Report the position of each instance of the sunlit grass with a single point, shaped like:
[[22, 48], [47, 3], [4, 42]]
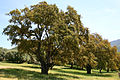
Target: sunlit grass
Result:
[[11, 71]]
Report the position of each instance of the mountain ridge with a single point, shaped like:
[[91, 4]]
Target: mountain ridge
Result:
[[116, 43]]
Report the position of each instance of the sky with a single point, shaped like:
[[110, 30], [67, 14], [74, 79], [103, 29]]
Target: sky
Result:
[[100, 16]]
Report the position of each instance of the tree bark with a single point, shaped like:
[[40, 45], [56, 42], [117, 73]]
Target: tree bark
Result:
[[44, 68], [108, 69], [71, 66], [88, 68], [100, 70], [44, 65]]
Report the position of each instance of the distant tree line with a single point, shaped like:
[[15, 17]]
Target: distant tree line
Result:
[[14, 56], [53, 36]]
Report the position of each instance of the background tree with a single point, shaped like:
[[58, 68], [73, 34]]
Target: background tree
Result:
[[118, 61], [106, 55], [100, 51], [89, 52], [74, 36], [14, 57], [2, 53], [111, 61], [86, 57]]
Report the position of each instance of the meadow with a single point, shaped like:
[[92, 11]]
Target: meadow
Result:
[[12, 71]]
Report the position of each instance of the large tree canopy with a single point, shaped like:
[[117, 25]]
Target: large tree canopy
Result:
[[47, 32]]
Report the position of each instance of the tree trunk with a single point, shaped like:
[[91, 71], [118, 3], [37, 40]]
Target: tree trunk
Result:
[[88, 68], [108, 70], [44, 68], [100, 70], [46, 62], [71, 66]]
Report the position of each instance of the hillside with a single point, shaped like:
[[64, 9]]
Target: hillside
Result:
[[6, 50], [116, 43]]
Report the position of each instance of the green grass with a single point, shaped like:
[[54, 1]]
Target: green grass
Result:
[[11, 71]]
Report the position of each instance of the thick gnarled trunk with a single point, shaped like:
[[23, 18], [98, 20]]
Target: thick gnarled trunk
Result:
[[45, 65], [108, 69], [44, 68], [88, 68], [46, 60]]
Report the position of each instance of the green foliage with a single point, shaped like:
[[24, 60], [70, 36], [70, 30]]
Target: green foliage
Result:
[[45, 31], [14, 57], [2, 56], [52, 36], [2, 53]]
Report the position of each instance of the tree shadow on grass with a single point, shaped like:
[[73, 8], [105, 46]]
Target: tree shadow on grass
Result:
[[26, 75], [21, 74], [82, 73], [104, 72], [36, 67], [74, 68]]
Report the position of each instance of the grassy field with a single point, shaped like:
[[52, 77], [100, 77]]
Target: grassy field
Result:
[[10, 71]]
